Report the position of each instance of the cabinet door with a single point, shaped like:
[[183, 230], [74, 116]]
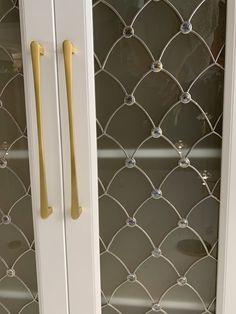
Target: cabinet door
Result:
[[166, 230], [32, 249]]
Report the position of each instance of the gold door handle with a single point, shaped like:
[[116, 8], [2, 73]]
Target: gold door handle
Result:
[[36, 51], [68, 51]]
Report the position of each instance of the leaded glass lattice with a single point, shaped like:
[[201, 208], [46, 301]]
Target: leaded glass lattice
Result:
[[18, 281], [159, 73]]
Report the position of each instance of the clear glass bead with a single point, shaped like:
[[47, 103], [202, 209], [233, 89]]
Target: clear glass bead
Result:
[[10, 272], [156, 307], [156, 194], [3, 162], [183, 223], [157, 66], [181, 281], [156, 252], [206, 175], [186, 27], [131, 222], [129, 100], [180, 145], [130, 162], [6, 220], [184, 162], [156, 132], [128, 31], [185, 97], [131, 277]]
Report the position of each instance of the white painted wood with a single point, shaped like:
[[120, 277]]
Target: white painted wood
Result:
[[226, 297], [37, 23], [74, 22]]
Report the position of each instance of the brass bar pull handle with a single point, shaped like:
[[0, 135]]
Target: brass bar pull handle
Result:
[[68, 51], [36, 51]]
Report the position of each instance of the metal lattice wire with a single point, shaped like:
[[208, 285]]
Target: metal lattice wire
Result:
[[159, 71], [18, 281]]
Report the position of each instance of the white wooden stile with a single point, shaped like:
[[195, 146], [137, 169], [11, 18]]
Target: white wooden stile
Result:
[[37, 23], [74, 22], [226, 283]]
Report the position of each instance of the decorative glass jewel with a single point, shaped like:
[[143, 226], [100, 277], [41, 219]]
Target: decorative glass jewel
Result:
[[130, 162], [156, 194], [156, 307], [6, 220], [183, 223], [131, 277], [156, 252], [180, 145], [157, 66], [184, 162], [3, 162], [131, 222], [186, 27], [129, 100], [156, 132], [181, 281], [206, 175], [10, 272], [185, 97], [128, 31]]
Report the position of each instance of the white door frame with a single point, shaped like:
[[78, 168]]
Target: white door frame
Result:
[[37, 23], [74, 23]]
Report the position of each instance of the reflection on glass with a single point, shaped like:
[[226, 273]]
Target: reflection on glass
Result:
[[159, 101], [18, 280]]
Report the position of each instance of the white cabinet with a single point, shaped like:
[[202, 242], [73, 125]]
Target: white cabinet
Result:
[[157, 89]]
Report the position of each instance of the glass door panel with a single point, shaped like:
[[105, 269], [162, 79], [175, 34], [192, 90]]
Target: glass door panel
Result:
[[18, 279], [159, 75]]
